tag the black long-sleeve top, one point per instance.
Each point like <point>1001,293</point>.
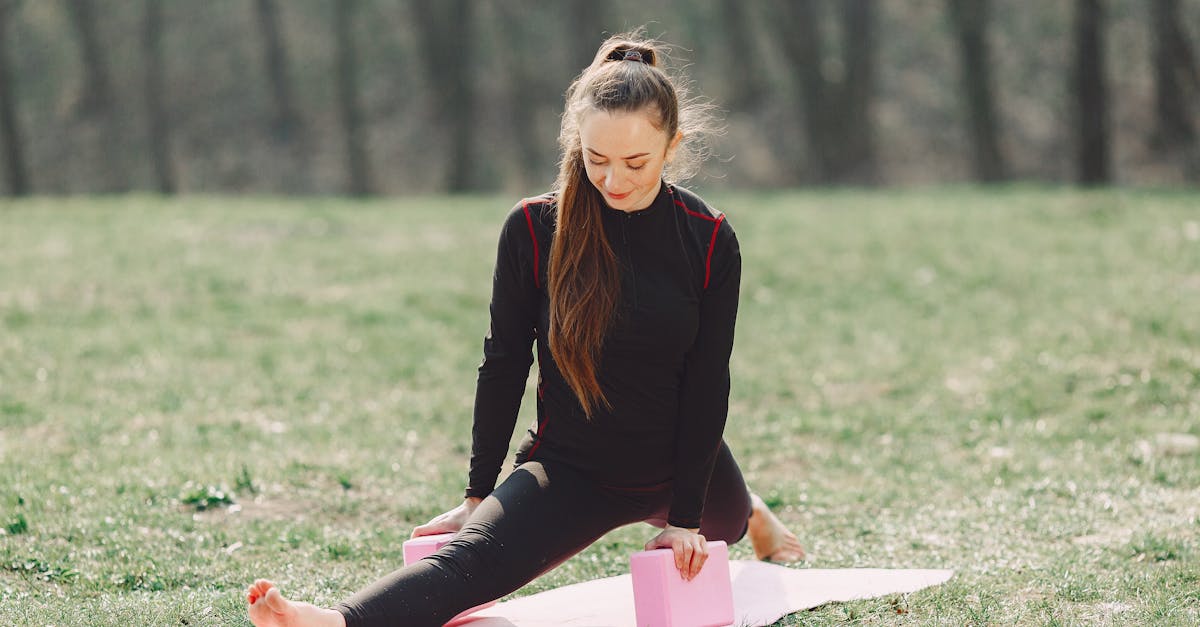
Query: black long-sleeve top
<point>664,363</point>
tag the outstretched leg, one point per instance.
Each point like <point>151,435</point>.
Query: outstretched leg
<point>541,515</point>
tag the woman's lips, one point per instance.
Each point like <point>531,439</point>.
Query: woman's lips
<point>618,196</point>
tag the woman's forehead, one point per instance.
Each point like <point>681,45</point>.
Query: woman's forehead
<point>620,134</point>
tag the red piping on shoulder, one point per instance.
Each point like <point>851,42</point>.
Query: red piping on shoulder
<point>712,241</point>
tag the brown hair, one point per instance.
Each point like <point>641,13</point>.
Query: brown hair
<point>584,279</point>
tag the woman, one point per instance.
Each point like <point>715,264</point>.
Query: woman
<point>628,285</point>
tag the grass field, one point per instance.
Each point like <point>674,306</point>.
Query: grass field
<point>198,392</point>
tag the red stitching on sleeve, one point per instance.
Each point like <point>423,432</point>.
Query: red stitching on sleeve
<point>711,244</point>
<point>536,254</point>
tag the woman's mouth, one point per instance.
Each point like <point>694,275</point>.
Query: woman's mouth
<point>618,196</point>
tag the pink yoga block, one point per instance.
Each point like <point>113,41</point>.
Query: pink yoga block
<point>663,598</point>
<point>424,546</point>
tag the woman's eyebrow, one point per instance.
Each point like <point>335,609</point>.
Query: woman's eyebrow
<point>640,154</point>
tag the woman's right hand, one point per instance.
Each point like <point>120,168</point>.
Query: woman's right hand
<point>448,522</point>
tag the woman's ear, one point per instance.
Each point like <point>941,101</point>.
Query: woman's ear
<point>673,145</point>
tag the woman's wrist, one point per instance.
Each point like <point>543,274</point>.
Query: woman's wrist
<point>695,530</point>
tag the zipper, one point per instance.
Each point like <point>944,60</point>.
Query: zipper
<point>629,255</point>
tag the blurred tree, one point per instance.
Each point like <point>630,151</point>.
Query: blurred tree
<point>798,33</point>
<point>741,58</point>
<point>96,98</point>
<point>970,19</point>
<point>1091,94</point>
<point>1176,78</point>
<point>160,128</point>
<point>286,122</point>
<point>525,59</point>
<point>444,31</point>
<point>14,152</point>
<point>287,128</point>
<point>837,117</point>
<point>357,161</point>
<point>856,163</point>
<point>96,103</point>
<point>591,22</point>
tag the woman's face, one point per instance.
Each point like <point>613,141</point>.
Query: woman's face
<point>624,155</point>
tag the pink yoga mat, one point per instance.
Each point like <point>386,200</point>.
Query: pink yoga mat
<point>762,594</point>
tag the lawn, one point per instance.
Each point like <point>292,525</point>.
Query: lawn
<point>197,392</point>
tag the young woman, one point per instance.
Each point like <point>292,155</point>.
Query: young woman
<point>628,286</point>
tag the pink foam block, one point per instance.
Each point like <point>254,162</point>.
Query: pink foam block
<point>424,546</point>
<point>663,598</point>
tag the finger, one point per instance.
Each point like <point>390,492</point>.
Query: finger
<point>694,562</point>
<point>685,566</point>
<point>698,561</point>
<point>428,529</point>
<point>703,552</point>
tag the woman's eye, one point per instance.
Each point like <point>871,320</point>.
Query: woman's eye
<point>637,167</point>
<point>595,162</point>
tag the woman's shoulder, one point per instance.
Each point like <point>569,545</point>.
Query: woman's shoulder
<point>529,225</point>
<point>535,212</point>
<point>705,220</point>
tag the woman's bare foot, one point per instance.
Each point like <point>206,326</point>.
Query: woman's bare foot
<point>268,608</point>
<point>771,540</point>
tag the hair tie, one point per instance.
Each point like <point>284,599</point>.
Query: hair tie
<point>630,55</point>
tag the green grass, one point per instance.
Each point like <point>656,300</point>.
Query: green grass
<point>201,391</point>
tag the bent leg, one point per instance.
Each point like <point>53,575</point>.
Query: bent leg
<point>541,515</point>
<point>727,505</point>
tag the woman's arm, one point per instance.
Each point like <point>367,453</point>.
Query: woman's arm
<point>704,393</point>
<point>507,353</point>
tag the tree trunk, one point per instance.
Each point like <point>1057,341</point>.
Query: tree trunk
<point>970,18</point>
<point>525,87</point>
<point>855,162</point>
<point>1091,94</point>
<point>801,44</point>
<point>286,122</point>
<point>445,34</point>
<point>14,152</point>
<point>837,111</point>
<point>97,90</point>
<point>588,19</point>
<point>1175,75</point>
<point>742,65</point>
<point>348,102</point>
<point>160,129</point>
<point>96,103</point>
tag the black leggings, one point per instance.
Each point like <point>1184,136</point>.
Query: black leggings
<point>542,514</point>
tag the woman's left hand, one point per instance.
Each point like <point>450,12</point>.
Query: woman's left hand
<point>691,549</point>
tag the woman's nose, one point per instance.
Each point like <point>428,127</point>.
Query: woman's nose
<point>610,178</point>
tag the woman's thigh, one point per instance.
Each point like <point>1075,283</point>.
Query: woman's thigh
<point>542,514</point>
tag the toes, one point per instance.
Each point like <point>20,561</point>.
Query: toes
<point>275,600</point>
<point>258,590</point>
